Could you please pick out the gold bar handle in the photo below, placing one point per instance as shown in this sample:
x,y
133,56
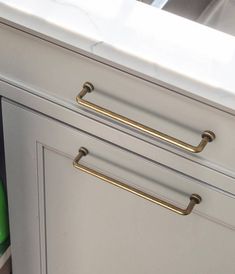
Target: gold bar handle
x,y
207,136
194,198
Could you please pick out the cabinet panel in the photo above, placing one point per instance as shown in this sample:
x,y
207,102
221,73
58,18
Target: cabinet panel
x,y
66,221
93,227
149,104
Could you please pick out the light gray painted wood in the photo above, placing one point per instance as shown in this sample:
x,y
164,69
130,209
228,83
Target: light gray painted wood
x,y
59,74
95,228
119,138
87,226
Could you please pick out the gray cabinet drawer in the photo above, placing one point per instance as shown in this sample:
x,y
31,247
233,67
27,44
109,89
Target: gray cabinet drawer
x,y
59,74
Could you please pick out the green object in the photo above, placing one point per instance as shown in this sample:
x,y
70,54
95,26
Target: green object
x,y
4,246
4,225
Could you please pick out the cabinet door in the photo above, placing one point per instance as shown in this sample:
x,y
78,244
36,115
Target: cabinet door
x,y
66,221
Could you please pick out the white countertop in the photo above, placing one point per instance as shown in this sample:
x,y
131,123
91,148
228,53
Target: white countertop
x,y
197,60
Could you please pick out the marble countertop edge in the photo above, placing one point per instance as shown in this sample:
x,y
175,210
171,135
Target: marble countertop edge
x,y
92,45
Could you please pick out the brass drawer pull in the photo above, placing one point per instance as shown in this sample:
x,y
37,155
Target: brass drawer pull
x,y
207,136
194,198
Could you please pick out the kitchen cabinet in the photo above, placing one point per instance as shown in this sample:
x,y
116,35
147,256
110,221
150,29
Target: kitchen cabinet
x,y
109,169
68,221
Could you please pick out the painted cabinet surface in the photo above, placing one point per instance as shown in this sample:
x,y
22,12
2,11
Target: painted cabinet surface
x,y
66,221
141,128
58,74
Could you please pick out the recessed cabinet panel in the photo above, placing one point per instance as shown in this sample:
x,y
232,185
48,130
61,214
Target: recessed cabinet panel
x,y
64,220
93,227
59,74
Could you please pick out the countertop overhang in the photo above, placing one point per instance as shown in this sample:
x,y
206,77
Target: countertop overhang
x,y
195,60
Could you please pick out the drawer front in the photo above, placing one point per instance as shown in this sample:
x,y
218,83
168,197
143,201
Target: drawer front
x,y
59,74
73,222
